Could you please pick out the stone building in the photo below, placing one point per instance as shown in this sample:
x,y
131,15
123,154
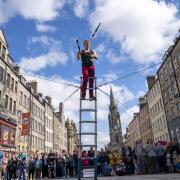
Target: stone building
x,y
169,79
56,134
156,108
23,106
17,96
72,138
63,129
115,132
144,120
49,124
36,139
60,131
133,131
8,97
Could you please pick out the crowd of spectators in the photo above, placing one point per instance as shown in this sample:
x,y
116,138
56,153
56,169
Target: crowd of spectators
x,y
149,158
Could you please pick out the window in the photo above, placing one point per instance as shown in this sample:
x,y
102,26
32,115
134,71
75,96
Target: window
x,y
175,62
10,104
35,125
6,101
172,134
161,105
1,73
0,46
35,141
8,80
25,99
16,84
12,84
32,140
177,134
3,52
14,107
178,106
32,124
20,98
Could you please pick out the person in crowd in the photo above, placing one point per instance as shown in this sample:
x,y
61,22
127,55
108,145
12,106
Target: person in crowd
x,y
22,166
5,162
139,151
107,170
123,153
14,165
160,157
91,154
38,167
129,165
44,166
59,167
75,159
31,168
1,162
151,151
71,166
85,161
120,168
99,167
176,160
169,162
10,167
51,164
66,164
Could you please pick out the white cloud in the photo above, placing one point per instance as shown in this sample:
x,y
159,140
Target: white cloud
x,y
81,8
45,28
112,57
34,64
41,10
109,76
60,92
53,57
143,28
127,117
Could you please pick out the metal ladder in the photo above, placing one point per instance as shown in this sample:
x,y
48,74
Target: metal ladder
x,y
82,121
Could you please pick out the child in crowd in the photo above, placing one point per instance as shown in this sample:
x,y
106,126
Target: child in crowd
x,y
176,162
168,162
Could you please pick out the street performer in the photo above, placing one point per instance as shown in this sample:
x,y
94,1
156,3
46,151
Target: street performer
x,y
88,70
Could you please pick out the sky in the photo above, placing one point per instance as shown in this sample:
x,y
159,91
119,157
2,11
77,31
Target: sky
x,y
133,34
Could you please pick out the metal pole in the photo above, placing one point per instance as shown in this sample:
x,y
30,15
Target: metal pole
x,y
79,144
95,153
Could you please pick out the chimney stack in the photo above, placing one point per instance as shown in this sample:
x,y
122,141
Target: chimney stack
x,y
16,69
150,81
142,101
33,85
61,111
49,99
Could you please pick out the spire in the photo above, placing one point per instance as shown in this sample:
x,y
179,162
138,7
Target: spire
x,y
111,96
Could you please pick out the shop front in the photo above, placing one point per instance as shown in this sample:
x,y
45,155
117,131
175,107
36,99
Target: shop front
x,y
7,134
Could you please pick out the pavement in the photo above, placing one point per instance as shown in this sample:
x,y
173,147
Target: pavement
x,y
135,177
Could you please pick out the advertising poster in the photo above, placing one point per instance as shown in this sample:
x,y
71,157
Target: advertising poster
x,y
5,136
25,124
12,137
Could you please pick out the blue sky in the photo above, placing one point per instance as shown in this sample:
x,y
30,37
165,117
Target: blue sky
x,y
134,34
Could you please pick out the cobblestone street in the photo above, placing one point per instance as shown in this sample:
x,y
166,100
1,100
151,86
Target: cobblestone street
x,y
142,177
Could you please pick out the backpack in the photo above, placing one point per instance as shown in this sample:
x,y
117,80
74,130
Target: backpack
x,y
31,165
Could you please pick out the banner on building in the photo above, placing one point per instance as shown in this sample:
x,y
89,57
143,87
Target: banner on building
x,y
25,124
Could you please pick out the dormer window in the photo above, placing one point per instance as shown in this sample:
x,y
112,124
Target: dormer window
x,y
3,52
1,73
0,46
